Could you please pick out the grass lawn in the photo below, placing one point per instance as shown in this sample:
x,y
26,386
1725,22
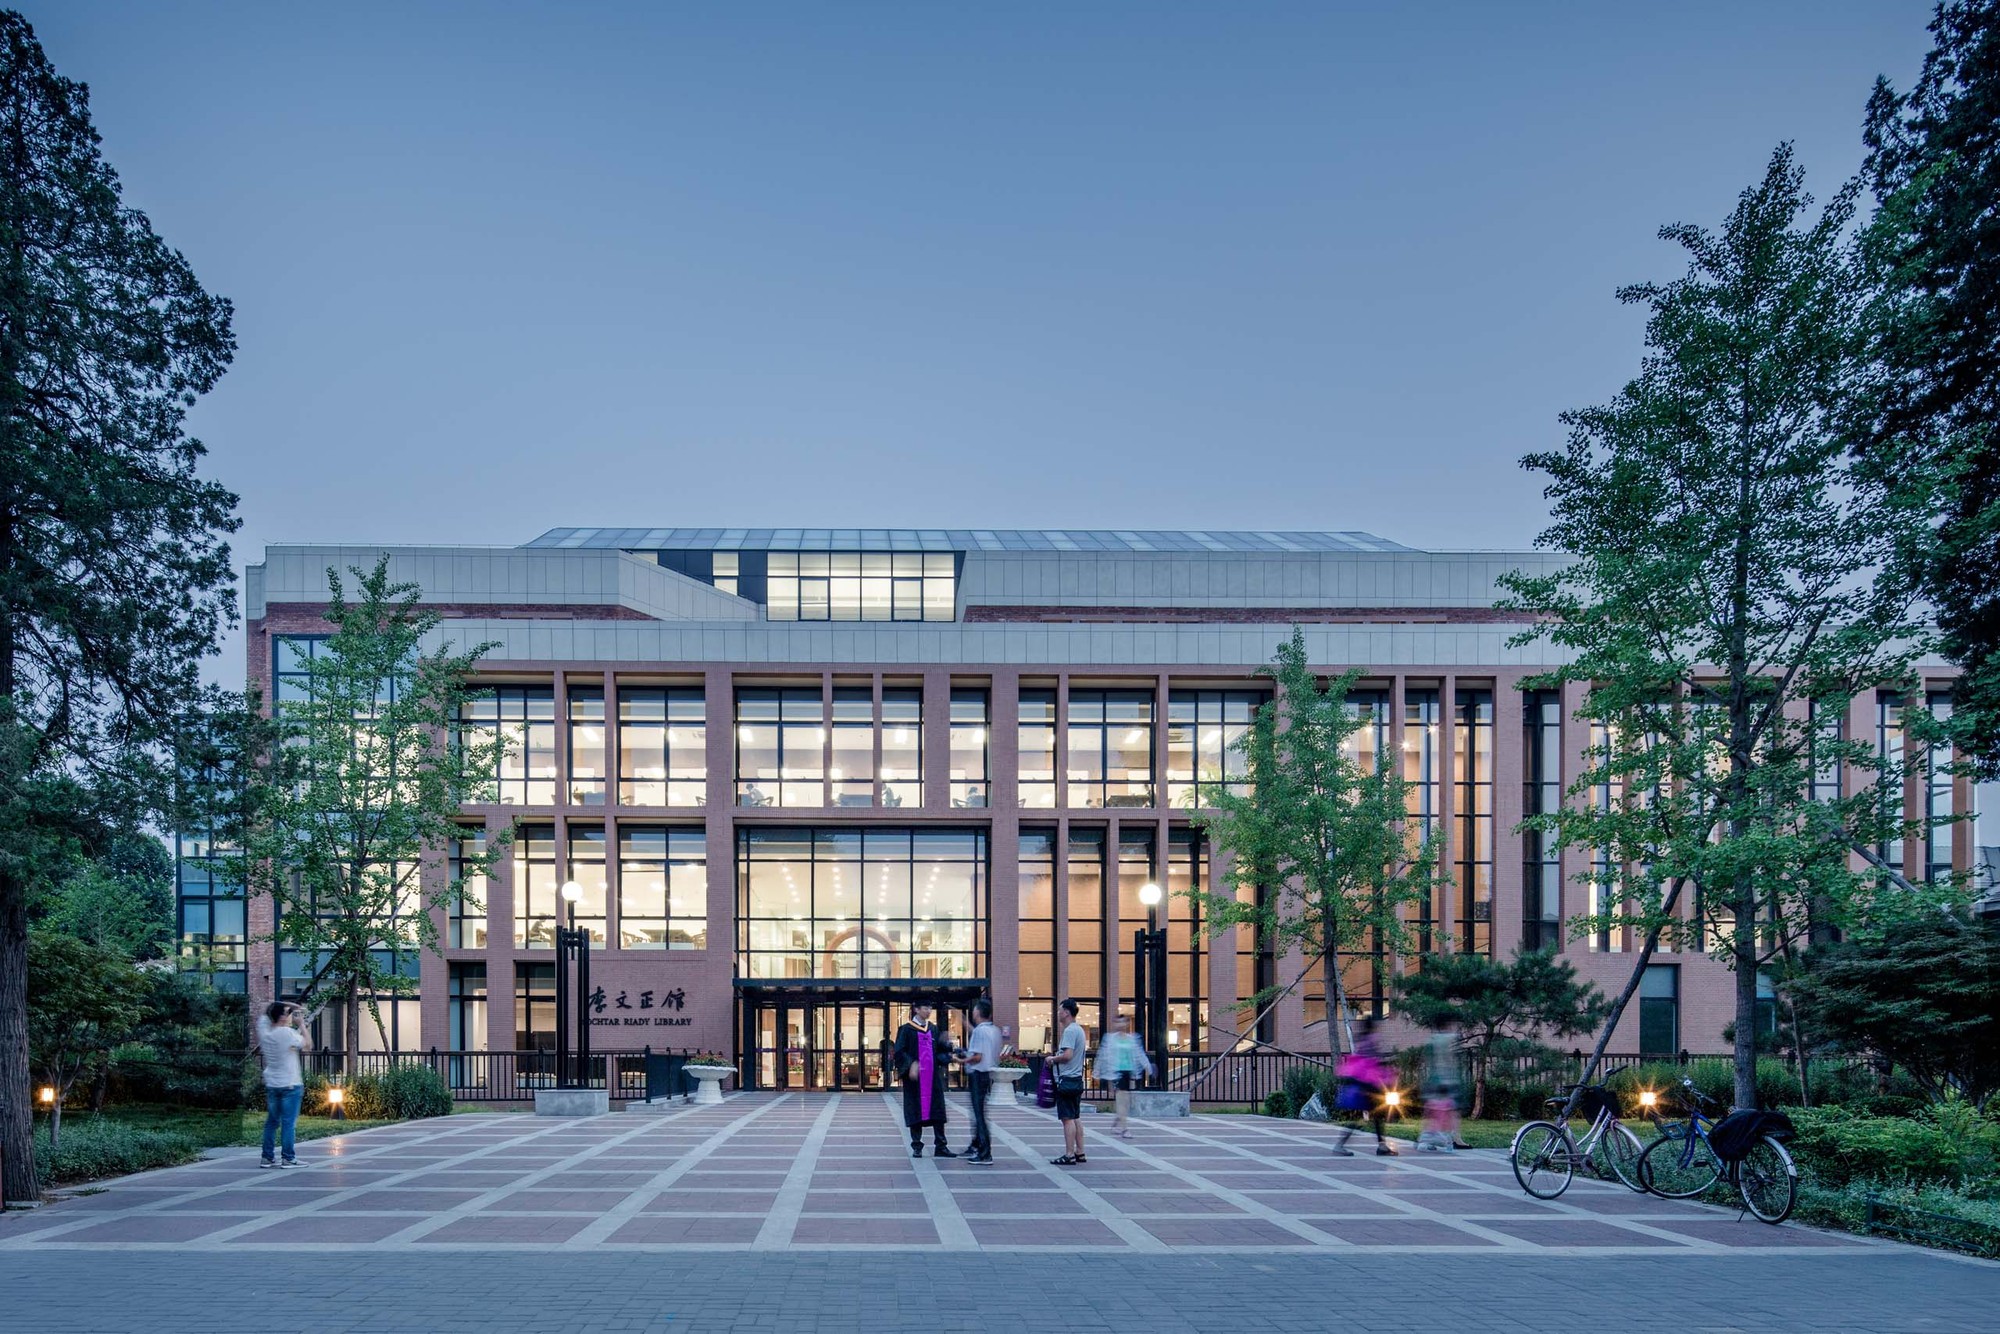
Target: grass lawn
x,y
215,1129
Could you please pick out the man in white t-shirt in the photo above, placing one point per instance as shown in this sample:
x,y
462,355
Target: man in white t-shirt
x,y
279,1046
982,1057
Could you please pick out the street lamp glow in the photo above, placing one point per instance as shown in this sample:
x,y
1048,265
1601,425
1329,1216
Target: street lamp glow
x,y
1648,1099
48,1095
571,891
1392,1099
1149,894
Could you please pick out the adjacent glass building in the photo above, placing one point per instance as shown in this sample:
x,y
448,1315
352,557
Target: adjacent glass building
x,y
804,776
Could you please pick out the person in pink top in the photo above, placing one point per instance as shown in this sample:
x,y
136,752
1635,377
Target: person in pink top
x,y
1364,1085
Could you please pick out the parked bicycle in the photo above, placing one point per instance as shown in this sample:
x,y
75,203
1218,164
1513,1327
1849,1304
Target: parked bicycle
x,y
1546,1156
1743,1149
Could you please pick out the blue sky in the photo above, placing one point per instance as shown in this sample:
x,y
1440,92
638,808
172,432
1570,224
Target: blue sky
x,y
501,267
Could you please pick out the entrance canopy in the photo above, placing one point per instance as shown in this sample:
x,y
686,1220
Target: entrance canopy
x,y
956,993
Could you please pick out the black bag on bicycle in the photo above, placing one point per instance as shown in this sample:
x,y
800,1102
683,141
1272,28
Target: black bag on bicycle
x,y
1735,1134
1595,1098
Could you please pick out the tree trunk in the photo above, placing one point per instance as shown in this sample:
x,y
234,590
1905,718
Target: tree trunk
x,y
17,1120
351,1057
1745,950
1478,1088
1617,1012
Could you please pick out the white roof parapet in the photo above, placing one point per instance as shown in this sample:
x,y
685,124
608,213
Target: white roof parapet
x,y
499,576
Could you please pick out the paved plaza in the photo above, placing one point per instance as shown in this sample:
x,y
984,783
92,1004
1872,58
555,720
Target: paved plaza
x,y
774,1196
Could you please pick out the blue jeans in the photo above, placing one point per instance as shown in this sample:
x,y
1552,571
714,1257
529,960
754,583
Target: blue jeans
x,y
281,1111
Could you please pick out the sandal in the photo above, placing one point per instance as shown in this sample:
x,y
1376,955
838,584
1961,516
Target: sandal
x,y
1080,1158
1065,1161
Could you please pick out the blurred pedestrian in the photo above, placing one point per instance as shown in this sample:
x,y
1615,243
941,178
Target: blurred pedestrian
x,y
1365,1080
1068,1062
279,1046
1122,1063
1442,1087
921,1057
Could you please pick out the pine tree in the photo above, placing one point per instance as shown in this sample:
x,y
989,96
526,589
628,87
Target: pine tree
x,y
114,580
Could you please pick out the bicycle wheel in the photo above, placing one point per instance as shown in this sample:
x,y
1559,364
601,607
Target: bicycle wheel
x,y
1543,1159
1678,1168
1618,1153
1768,1180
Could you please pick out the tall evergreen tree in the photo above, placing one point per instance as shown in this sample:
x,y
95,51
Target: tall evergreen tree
x,y
1731,566
1321,832
114,580
358,788
1934,244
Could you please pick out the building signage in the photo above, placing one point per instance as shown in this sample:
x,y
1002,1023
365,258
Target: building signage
x,y
622,1009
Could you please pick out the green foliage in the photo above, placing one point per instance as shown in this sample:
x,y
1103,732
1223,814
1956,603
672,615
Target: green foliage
x,y
357,786
121,899
178,1052
1490,1002
1835,1147
1279,1104
1301,1082
95,1146
114,578
1321,833
1925,994
1730,566
83,1001
410,1092
1934,251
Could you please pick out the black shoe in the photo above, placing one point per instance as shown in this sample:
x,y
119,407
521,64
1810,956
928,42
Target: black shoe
x,y
916,1151
981,1160
942,1152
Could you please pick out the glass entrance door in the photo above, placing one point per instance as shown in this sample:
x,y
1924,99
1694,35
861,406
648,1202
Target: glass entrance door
x,y
827,1045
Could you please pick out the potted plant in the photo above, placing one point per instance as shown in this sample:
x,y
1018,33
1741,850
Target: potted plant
x,y
710,1068
1006,1075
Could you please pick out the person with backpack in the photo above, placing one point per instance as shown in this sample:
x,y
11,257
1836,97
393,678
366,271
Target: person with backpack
x,y
1122,1063
1364,1085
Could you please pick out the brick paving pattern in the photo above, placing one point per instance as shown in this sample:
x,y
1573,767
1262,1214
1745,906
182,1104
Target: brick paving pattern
x,y
805,1213
786,1172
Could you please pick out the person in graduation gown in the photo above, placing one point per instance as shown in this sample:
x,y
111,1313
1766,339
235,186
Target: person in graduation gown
x,y
921,1057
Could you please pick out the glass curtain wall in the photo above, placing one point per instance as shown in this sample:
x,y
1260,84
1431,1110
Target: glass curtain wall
x,y
586,746
1037,1005
879,903
535,887
1204,729
524,717
1037,750
662,747
1083,972
586,867
465,914
781,747
1110,748
970,784
1541,852
1421,767
861,586
1187,1006
662,888
902,746
1472,764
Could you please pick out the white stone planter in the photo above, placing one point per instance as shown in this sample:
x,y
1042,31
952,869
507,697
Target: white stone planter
x,y
1005,1081
708,1091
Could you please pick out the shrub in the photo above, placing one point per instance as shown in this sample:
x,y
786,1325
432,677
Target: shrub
x,y
94,1147
363,1102
1840,1082
1836,1147
410,1092
1278,1104
1957,1221
1298,1085
1715,1077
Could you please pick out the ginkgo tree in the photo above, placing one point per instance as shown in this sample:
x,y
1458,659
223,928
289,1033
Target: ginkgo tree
x,y
1321,830
356,788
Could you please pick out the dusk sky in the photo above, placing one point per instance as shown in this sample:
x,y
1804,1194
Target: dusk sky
x,y
499,268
